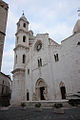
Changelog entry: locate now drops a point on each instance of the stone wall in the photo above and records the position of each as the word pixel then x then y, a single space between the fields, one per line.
pixel 3 21
pixel 5 91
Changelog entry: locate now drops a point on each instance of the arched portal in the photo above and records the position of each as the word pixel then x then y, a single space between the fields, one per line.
pixel 63 90
pixel 41 90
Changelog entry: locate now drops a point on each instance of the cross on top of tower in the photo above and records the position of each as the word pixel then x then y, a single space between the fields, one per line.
pixel 78 12
pixel 22 12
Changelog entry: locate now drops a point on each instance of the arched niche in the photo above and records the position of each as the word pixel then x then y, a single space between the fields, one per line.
pixel 62 90
pixel 41 89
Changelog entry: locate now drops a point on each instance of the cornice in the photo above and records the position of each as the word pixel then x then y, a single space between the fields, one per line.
pixel 21 30
pixel 19 45
pixel 18 70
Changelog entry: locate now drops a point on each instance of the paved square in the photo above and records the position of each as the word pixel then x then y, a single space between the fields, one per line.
pixel 16 113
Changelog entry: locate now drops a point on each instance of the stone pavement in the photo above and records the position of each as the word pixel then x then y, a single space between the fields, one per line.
pixel 18 113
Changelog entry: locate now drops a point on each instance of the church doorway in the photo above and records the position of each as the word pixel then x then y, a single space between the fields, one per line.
pixel 62 90
pixel 41 90
pixel 27 96
pixel 42 93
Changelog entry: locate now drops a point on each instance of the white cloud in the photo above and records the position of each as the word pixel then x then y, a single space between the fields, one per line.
pixel 58 32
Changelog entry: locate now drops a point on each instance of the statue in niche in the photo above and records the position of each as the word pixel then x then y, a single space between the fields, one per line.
pixel 45 93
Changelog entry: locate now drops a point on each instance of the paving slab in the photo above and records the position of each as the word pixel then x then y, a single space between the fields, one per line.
pixel 18 113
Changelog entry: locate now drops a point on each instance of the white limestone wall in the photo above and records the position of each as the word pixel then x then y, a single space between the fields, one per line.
pixel 44 72
pixel 20 52
pixel 72 64
pixel 28 83
pixel 20 24
pixel 18 89
pixel 19 36
pixel 20 39
pixel 51 73
pixel 21 48
pixel 67 68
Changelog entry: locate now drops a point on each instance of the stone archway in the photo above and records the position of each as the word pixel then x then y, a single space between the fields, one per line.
pixel 41 90
pixel 63 90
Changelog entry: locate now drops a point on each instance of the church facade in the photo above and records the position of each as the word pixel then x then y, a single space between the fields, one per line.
pixel 43 69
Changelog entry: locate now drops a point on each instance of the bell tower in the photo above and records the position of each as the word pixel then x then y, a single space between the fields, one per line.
pixel 20 56
pixel 22 43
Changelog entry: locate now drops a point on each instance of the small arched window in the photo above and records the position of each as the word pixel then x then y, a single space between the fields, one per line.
pixel 27 96
pixel 16 59
pixel 56 57
pixel 40 62
pixel 24 25
pixel 24 38
pixel 23 59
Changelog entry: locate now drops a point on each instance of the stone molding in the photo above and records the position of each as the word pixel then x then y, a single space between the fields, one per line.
pixel 19 45
pixel 21 30
pixel 18 70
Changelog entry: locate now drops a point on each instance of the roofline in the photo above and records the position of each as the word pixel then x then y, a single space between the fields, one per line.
pixel 6 75
pixel 69 37
pixel 23 20
pixel 54 41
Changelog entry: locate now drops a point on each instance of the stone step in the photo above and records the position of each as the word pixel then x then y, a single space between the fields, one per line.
pixel 46 103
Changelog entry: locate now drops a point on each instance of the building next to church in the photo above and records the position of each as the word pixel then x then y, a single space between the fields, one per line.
pixel 5 89
pixel 5 80
pixel 43 69
pixel 3 22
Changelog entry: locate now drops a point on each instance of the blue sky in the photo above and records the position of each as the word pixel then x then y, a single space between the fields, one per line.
pixel 56 17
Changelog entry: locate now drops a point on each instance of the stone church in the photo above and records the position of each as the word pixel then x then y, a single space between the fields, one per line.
pixel 43 69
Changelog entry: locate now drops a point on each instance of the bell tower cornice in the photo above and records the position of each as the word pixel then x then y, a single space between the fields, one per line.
pixel 21 30
pixel 21 46
pixel 18 70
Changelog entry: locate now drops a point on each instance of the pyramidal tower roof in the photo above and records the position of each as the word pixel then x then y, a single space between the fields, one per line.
pixel 23 18
pixel 77 27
